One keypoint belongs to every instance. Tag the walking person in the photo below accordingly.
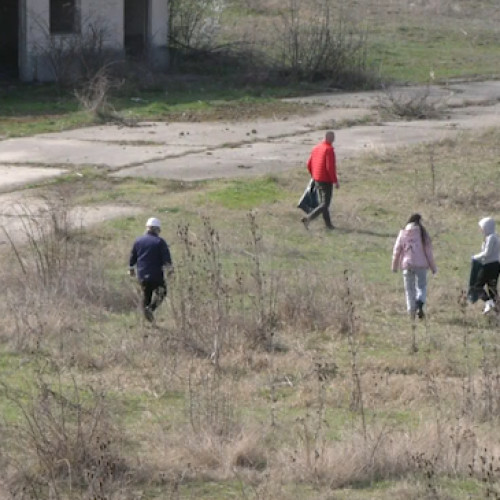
(323, 169)
(412, 253)
(486, 267)
(150, 255)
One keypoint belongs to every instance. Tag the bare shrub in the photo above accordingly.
(216, 441)
(54, 278)
(353, 343)
(265, 290)
(385, 453)
(75, 57)
(211, 405)
(411, 103)
(306, 301)
(479, 195)
(63, 443)
(220, 305)
(91, 47)
(318, 41)
(194, 24)
(481, 391)
(94, 93)
(208, 317)
(188, 456)
(201, 301)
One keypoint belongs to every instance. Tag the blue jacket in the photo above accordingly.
(150, 253)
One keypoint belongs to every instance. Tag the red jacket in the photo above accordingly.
(321, 164)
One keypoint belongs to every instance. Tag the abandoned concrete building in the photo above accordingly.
(37, 35)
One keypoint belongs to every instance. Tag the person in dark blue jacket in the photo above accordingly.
(150, 254)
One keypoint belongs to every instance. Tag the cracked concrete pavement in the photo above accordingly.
(194, 151)
(197, 151)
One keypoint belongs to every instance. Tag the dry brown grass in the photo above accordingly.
(282, 412)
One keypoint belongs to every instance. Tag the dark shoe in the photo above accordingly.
(330, 226)
(420, 309)
(148, 314)
(305, 221)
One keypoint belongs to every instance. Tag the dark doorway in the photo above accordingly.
(136, 27)
(9, 38)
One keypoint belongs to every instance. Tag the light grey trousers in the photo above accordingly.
(415, 281)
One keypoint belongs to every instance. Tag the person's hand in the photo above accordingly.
(337, 185)
(131, 272)
(170, 270)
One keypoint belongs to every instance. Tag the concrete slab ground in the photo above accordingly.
(196, 151)
(278, 155)
(15, 176)
(112, 147)
(56, 151)
(193, 151)
(28, 217)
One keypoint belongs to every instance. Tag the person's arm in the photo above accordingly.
(487, 251)
(132, 260)
(309, 164)
(430, 257)
(331, 166)
(396, 254)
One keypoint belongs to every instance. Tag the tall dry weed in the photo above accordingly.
(54, 279)
(64, 442)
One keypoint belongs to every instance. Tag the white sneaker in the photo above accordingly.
(489, 306)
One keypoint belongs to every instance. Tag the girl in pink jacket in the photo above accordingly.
(412, 254)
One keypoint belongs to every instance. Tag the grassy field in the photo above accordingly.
(316, 389)
(283, 365)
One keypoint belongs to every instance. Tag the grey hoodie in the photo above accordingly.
(490, 250)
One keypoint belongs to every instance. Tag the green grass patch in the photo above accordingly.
(28, 110)
(248, 193)
(413, 51)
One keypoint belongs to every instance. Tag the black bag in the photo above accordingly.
(472, 292)
(309, 200)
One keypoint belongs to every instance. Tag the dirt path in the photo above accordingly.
(194, 151)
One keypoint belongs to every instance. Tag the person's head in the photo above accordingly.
(415, 219)
(487, 225)
(153, 225)
(330, 137)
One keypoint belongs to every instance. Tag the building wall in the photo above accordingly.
(159, 33)
(105, 15)
(35, 23)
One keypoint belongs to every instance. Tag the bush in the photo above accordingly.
(55, 277)
(317, 41)
(64, 441)
(411, 103)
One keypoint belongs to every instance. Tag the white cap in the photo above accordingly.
(153, 222)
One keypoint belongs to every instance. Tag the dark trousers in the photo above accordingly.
(325, 190)
(485, 281)
(156, 288)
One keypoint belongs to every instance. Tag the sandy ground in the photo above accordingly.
(195, 151)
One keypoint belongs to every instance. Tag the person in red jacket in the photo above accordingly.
(323, 169)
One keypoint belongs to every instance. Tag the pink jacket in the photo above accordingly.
(410, 253)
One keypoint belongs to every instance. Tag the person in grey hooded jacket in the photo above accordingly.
(485, 283)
